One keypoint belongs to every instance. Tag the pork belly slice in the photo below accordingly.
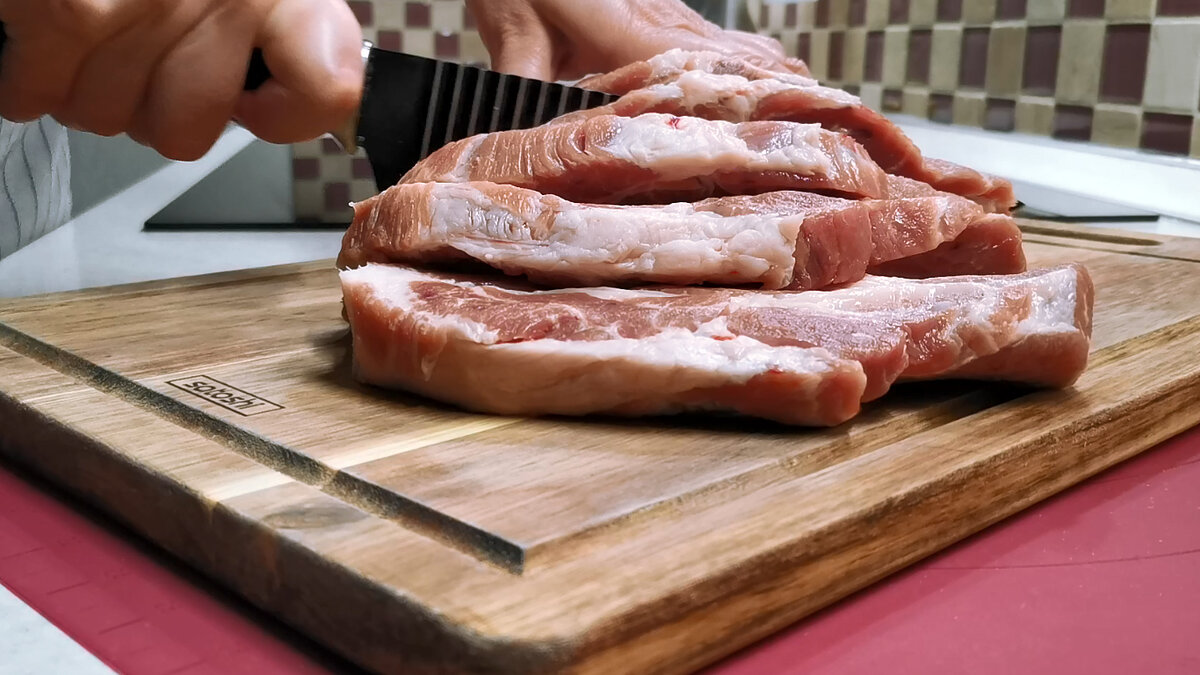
(656, 158)
(988, 245)
(776, 240)
(704, 85)
(788, 239)
(807, 358)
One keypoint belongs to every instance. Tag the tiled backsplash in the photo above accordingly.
(1123, 73)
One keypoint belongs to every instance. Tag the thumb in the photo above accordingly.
(313, 49)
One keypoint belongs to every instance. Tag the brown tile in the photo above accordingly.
(337, 197)
(306, 168)
(893, 100)
(1001, 115)
(330, 147)
(941, 108)
(417, 15)
(898, 12)
(857, 15)
(837, 49)
(972, 71)
(1167, 133)
(364, 12)
(873, 64)
(1126, 50)
(764, 16)
(822, 16)
(919, 45)
(804, 47)
(790, 16)
(361, 168)
(1073, 122)
(1179, 7)
(392, 40)
(469, 18)
(950, 10)
(1041, 59)
(851, 89)
(1085, 8)
(1011, 9)
(445, 46)
(1006, 55)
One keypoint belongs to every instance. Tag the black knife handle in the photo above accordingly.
(256, 74)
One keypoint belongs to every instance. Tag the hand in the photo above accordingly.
(567, 39)
(170, 73)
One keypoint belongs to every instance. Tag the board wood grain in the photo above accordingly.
(217, 417)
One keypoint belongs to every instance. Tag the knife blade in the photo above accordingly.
(413, 105)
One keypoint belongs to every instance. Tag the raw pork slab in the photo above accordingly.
(655, 158)
(706, 85)
(787, 239)
(807, 358)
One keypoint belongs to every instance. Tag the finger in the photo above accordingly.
(111, 83)
(314, 51)
(36, 74)
(192, 92)
(516, 38)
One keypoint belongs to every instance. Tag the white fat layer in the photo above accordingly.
(737, 96)
(392, 285)
(593, 245)
(677, 148)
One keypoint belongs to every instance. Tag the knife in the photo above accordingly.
(412, 105)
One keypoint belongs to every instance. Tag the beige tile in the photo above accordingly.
(872, 95)
(418, 41)
(1042, 12)
(1196, 137)
(819, 47)
(895, 55)
(1006, 58)
(775, 17)
(447, 16)
(471, 49)
(922, 13)
(944, 55)
(839, 13)
(1035, 115)
(855, 53)
(979, 12)
(308, 199)
(969, 108)
(1173, 74)
(916, 102)
(1117, 125)
(806, 15)
(1079, 62)
(877, 13)
(1129, 10)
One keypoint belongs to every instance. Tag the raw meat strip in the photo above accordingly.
(806, 358)
(776, 240)
(785, 239)
(989, 245)
(656, 158)
(679, 83)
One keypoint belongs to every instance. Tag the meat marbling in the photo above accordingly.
(655, 158)
(711, 86)
(807, 358)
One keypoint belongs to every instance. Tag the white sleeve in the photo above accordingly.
(35, 181)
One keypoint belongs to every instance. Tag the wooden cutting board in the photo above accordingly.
(217, 417)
